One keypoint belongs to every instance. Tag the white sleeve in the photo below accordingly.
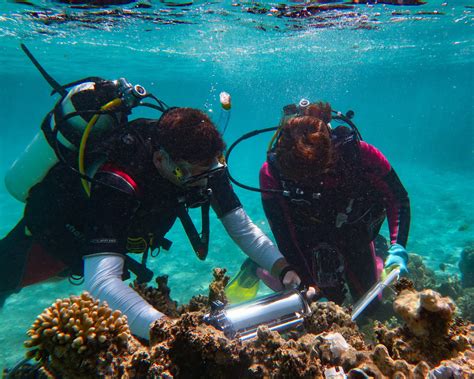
(251, 239)
(103, 280)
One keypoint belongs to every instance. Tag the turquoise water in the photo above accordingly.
(407, 72)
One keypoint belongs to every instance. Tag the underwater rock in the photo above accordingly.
(466, 266)
(80, 338)
(451, 287)
(460, 367)
(335, 345)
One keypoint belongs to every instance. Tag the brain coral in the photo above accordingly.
(79, 337)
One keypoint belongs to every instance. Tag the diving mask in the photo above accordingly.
(186, 174)
(291, 110)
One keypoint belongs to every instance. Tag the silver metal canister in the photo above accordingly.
(281, 311)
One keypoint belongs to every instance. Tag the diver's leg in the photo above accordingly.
(361, 266)
(336, 294)
(24, 261)
(13, 256)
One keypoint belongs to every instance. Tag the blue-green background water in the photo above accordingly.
(408, 77)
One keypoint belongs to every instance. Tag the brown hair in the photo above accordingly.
(319, 110)
(189, 134)
(304, 149)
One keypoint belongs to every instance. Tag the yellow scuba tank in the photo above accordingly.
(244, 286)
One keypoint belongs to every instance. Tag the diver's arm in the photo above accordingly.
(397, 203)
(398, 209)
(253, 241)
(112, 205)
(242, 230)
(103, 279)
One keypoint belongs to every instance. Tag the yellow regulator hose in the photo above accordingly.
(82, 147)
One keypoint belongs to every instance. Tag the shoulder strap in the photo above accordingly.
(347, 144)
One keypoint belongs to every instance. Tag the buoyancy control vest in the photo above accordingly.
(340, 200)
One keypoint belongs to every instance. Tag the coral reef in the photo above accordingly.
(328, 316)
(217, 286)
(466, 266)
(216, 293)
(79, 338)
(450, 285)
(465, 304)
(421, 276)
(158, 297)
(431, 341)
(431, 332)
(425, 313)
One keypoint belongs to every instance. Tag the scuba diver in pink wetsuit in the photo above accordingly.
(326, 193)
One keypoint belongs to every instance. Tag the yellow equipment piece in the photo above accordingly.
(82, 147)
(244, 286)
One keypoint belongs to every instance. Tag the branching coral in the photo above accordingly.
(79, 337)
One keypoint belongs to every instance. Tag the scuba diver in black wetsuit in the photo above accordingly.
(89, 210)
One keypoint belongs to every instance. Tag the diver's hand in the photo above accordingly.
(397, 256)
(313, 293)
(291, 280)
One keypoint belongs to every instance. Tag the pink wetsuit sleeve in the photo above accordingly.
(382, 176)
